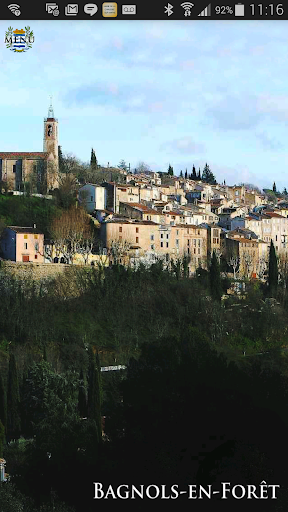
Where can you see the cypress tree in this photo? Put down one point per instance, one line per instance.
(13, 401)
(194, 175)
(181, 174)
(82, 399)
(99, 393)
(199, 175)
(2, 438)
(60, 159)
(273, 271)
(93, 161)
(186, 175)
(274, 187)
(3, 403)
(215, 278)
(94, 399)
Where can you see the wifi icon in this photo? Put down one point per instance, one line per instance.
(187, 6)
(15, 9)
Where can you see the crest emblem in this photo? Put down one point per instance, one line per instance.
(19, 40)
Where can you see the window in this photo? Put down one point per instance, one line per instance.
(36, 247)
(177, 243)
(188, 250)
(25, 245)
(35, 256)
(14, 168)
(25, 237)
(177, 232)
(167, 236)
(120, 229)
(161, 244)
(198, 231)
(276, 238)
(199, 243)
(152, 237)
(167, 244)
(194, 242)
(91, 198)
(120, 237)
(36, 237)
(137, 240)
(188, 242)
(199, 251)
(194, 250)
(137, 230)
(161, 235)
(152, 247)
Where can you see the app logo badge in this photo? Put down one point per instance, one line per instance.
(19, 40)
(109, 10)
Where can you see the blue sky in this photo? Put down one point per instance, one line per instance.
(180, 92)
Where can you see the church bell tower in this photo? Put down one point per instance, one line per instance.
(50, 146)
(51, 133)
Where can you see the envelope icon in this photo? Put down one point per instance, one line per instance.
(71, 10)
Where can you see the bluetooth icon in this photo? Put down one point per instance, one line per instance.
(169, 9)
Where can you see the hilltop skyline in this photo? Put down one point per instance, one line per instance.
(169, 92)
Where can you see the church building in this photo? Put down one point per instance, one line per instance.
(36, 170)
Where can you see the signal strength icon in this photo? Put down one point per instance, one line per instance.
(15, 9)
(206, 11)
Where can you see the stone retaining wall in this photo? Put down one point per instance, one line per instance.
(36, 270)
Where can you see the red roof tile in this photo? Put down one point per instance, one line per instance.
(24, 155)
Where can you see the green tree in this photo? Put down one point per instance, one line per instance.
(94, 399)
(93, 160)
(208, 175)
(123, 165)
(170, 171)
(181, 174)
(186, 175)
(2, 438)
(3, 403)
(194, 175)
(272, 271)
(60, 160)
(274, 187)
(199, 175)
(82, 399)
(285, 193)
(13, 401)
(215, 278)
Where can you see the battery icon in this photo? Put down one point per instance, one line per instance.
(239, 10)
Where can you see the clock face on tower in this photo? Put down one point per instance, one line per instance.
(49, 130)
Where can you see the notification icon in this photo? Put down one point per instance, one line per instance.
(90, 9)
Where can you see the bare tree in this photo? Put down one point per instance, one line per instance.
(119, 250)
(247, 262)
(142, 167)
(72, 233)
(234, 262)
(262, 266)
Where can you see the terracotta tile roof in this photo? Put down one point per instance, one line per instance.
(24, 155)
(273, 214)
(20, 229)
(134, 222)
